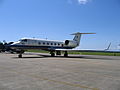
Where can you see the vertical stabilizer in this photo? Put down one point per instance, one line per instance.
(78, 37)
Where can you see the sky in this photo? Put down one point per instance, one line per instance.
(57, 19)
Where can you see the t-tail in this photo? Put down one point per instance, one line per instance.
(77, 37)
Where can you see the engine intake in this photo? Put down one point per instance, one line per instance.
(70, 43)
(67, 42)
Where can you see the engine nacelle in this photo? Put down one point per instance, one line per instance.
(70, 43)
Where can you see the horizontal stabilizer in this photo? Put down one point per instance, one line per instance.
(81, 33)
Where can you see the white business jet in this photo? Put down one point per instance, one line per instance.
(52, 46)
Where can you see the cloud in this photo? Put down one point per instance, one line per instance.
(83, 1)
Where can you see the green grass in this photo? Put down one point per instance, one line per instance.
(38, 51)
(81, 53)
(96, 53)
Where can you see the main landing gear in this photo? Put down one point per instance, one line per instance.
(66, 54)
(52, 53)
(58, 53)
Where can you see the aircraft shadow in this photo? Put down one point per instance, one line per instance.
(81, 56)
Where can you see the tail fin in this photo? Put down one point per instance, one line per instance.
(78, 37)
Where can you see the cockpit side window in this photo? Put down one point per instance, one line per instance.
(24, 40)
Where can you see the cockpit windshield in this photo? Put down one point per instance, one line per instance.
(23, 40)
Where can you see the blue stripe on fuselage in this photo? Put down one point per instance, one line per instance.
(38, 47)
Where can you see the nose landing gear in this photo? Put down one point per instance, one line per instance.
(20, 54)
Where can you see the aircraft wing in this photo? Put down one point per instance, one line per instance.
(73, 50)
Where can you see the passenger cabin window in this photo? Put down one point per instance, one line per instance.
(43, 43)
(39, 43)
(58, 44)
(54, 43)
(51, 43)
(47, 43)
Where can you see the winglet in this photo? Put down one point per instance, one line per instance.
(108, 46)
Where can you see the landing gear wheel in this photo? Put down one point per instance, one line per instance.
(52, 54)
(20, 55)
(66, 54)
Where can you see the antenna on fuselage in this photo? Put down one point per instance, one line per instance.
(46, 38)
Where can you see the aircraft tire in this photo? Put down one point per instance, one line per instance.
(20, 55)
(66, 54)
(52, 54)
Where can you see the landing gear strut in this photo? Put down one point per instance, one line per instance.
(58, 52)
(52, 53)
(66, 54)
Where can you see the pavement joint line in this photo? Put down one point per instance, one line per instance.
(105, 75)
(55, 81)
(108, 76)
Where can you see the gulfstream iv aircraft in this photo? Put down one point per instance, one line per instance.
(54, 47)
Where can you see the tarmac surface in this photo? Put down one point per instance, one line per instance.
(36, 72)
